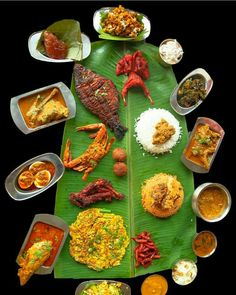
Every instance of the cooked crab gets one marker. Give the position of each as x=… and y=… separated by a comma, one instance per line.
x=94, y=153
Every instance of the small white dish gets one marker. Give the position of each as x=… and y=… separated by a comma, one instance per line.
x=33, y=42
x=97, y=23
x=174, y=96
x=18, y=194
x=19, y=119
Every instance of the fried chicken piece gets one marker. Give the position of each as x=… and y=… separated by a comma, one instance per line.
x=35, y=256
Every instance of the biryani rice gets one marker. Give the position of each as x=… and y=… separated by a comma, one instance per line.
x=145, y=129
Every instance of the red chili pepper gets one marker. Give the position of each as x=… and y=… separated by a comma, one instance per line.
x=146, y=250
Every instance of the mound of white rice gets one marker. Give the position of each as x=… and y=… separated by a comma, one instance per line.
x=145, y=128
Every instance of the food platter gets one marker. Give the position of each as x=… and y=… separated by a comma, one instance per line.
x=141, y=166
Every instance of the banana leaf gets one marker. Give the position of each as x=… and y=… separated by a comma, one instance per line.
x=173, y=235
x=68, y=31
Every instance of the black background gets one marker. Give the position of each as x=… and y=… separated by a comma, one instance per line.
x=206, y=31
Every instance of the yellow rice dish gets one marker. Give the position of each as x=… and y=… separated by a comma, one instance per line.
x=98, y=239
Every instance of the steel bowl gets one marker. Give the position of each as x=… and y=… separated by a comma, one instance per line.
x=198, y=192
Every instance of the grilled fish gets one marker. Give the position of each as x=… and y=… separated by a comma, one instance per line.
x=99, y=95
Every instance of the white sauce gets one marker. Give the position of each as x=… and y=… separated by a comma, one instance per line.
x=171, y=51
x=184, y=272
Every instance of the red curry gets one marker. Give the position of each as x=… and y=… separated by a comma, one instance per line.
x=43, y=231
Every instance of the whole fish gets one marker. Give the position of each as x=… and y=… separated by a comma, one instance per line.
x=100, y=96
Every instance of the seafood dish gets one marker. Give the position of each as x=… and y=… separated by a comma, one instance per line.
x=99, y=239
x=100, y=96
x=203, y=145
x=41, y=246
x=162, y=195
x=33, y=258
x=43, y=107
x=157, y=131
x=98, y=190
x=95, y=152
x=135, y=66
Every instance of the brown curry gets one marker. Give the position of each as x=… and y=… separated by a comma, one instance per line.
x=43, y=107
x=202, y=145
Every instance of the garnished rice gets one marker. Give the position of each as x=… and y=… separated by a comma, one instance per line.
x=145, y=129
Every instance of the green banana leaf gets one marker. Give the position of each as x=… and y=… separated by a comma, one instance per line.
x=173, y=235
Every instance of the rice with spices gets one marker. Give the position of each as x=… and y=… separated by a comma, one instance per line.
x=98, y=239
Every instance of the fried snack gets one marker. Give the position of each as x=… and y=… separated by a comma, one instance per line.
x=32, y=259
x=162, y=195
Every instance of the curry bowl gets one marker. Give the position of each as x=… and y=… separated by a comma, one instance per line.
x=35, y=53
x=203, y=145
x=31, y=179
x=43, y=107
x=102, y=13
x=124, y=288
x=211, y=201
x=191, y=91
x=204, y=244
x=45, y=227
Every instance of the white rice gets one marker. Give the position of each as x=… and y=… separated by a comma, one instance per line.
x=145, y=129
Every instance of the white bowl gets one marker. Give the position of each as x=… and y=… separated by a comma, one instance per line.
x=33, y=42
